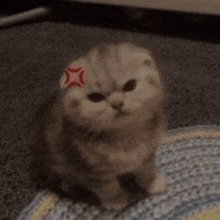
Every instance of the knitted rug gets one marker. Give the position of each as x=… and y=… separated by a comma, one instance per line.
x=189, y=160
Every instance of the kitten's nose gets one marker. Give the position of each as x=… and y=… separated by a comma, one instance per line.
x=117, y=105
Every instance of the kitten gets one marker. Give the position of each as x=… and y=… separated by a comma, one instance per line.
x=107, y=126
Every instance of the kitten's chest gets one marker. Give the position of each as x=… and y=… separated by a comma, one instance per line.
x=123, y=159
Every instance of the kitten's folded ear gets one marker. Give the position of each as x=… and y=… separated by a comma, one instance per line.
x=147, y=61
x=145, y=57
x=140, y=54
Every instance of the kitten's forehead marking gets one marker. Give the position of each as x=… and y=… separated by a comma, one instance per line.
x=131, y=53
x=110, y=61
x=100, y=66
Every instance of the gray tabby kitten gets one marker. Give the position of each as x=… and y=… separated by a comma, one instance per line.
x=107, y=121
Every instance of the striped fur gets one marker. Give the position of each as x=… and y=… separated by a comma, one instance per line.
x=90, y=144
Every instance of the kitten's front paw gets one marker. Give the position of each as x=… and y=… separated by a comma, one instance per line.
x=116, y=203
x=157, y=186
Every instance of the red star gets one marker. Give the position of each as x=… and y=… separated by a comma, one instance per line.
x=74, y=77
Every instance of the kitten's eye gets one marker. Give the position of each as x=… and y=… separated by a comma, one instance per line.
x=130, y=85
x=96, y=97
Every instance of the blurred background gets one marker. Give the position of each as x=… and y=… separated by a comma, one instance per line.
x=195, y=18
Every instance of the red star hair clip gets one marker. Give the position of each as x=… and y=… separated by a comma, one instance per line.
x=74, y=77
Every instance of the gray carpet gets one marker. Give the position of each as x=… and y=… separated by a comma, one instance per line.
x=32, y=59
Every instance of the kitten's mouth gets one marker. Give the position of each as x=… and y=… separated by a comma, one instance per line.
x=120, y=114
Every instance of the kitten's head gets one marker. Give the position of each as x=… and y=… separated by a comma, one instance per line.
x=121, y=87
